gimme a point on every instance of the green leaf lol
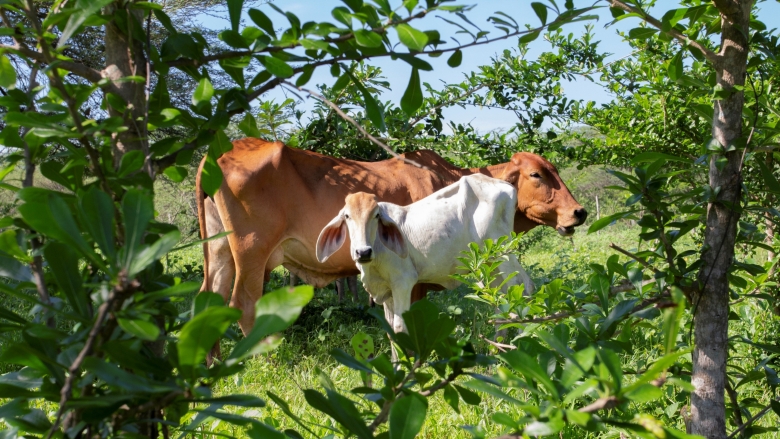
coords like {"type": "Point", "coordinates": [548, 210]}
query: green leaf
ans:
{"type": "Point", "coordinates": [541, 11]}
{"type": "Point", "coordinates": [248, 126]}
{"type": "Point", "coordinates": [55, 219]}
{"type": "Point", "coordinates": [611, 360]}
{"type": "Point", "coordinates": [644, 393]}
{"type": "Point", "coordinates": [616, 314]}
{"type": "Point", "coordinates": [367, 38]}
{"type": "Point", "coordinates": [140, 328]}
{"type": "Point", "coordinates": [407, 416]}
{"type": "Point", "coordinates": [177, 174]}
{"type": "Point", "coordinates": [349, 361]}
{"type": "Point", "coordinates": [276, 67]}
{"type": "Point", "coordinates": [84, 9]}
{"type": "Point", "coordinates": [64, 263]}
{"type": "Point", "coordinates": [7, 73]}
{"type": "Point", "coordinates": [234, 11]}
{"type": "Point", "coordinates": [607, 220]}
{"type": "Point", "coordinates": [137, 210]}
{"type": "Point", "coordinates": [450, 395]}
{"type": "Point", "coordinates": [131, 161]}
{"type": "Point", "coordinates": [412, 98]}
{"type": "Point", "coordinates": [455, 59]}
{"type": "Point", "coordinates": [411, 37]}
{"type": "Point", "coordinates": [527, 38]}
{"type": "Point", "coordinates": [203, 92]}
{"type": "Point", "coordinates": [199, 335]}
{"type": "Point", "coordinates": [205, 300]}
{"type": "Point", "coordinates": [374, 111]}
{"type": "Point", "coordinates": [308, 69]}
{"type": "Point", "coordinates": [220, 144]}
{"type": "Point", "coordinates": [234, 400]}
{"type": "Point", "coordinates": [234, 39]}
{"type": "Point", "coordinates": [657, 368]}
{"type": "Point", "coordinates": [529, 367]}
{"type": "Point", "coordinates": [651, 156]}
{"type": "Point", "coordinates": [363, 345]}
{"type": "Point", "coordinates": [675, 70]}
{"type": "Point", "coordinates": [211, 176]}
{"type": "Point", "coordinates": [769, 179]}
{"type": "Point", "coordinates": [642, 33]}
{"type": "Point", "coordinates": [153, 252]}
{"type": "Point", "coordinates": [274, 312]}
{"type": "Point", "coordinates": [262, 21]}
{"type": "Point", "coordinates": [97, 213]}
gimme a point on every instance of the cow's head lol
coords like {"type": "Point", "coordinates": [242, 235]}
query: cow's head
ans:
{"type": "Point", "coordinates": [365, 220]}
{"type": "Point", "coordinates": [542, 198]}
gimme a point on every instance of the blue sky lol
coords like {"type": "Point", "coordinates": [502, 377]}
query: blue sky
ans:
{"type": "Point", "coordinates": [397, 72]}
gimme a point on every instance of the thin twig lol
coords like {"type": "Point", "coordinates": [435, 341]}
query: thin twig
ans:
{"type": "Point", "coordinates": [443, 104]}
{"type": "Point", "coordinates": [352, 121]}
{"type": "Point", "coordinates": [750, 421]}
{"type": "Point", "coordinates": [500, 346]}
{"type": "Point", "coordinates": [735, 403]}
{"type": "Point", "coordinates": [103, 310]}
{"type": "Point", "coordinates": [709, 54]}
{"type": "Point", "coordinates": [634, 257]}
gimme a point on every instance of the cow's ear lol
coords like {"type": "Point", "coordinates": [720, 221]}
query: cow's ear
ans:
{"type": "Point", "coordinates": [391, 235]}
{"type": "Point", "coordinates": [331, 238]}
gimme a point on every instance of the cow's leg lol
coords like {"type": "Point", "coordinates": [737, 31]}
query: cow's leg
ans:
{"type": "Point", "coordinates": [390, 317]}
{"type": "Point", "coordinates": [419, 291]}
{"type": "Point", "coordinates": [221, 267]}
{"type": "Point", "coordinates": [293, 279]}
{"type": "Point", "coordinates": [340, 289]}
{"type": "Point", "coordinates": [352, 283]}
{"type": "Point", "coordinates": [251, 268]}
{"type": "Point", "coordinates": [218, 274]}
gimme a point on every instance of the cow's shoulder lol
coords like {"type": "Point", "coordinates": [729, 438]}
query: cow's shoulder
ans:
{"type": "Point", "coordinates": [481, 188]}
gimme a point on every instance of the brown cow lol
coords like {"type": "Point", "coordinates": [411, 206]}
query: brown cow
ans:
{"type": "Point", "coordinates": [277, 199]}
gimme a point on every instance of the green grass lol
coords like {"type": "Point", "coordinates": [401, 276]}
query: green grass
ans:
{"type": "Point", "coordinates": [327, 324]}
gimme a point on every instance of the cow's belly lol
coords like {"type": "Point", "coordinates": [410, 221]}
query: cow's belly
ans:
{"type": "Point", "coordinates": [299, 260]}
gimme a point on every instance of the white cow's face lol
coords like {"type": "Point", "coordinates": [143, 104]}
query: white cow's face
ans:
{"type": "Point", "coordinates": [364, 219]}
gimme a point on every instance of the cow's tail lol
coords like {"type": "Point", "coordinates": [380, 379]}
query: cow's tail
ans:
{"type": "Point", "coordinates": [200, 199]}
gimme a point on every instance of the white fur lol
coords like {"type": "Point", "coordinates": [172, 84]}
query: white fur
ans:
{"type": "Point", "coordinates": [436, 230]}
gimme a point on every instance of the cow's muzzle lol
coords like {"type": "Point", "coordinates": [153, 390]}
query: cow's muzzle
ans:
{"type": "Point", "coordinates": [363, 255]}
{"type": "Point", "coordinates": [580, 215]}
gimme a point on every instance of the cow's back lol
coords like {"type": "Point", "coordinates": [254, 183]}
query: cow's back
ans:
{"type": "Point", "coordinates": [440, 226]}
{"type": "Point", "coordinates": [271, 190]}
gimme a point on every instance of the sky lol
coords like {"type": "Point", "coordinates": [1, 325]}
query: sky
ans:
{"type": "Point", "coordinates": [484, 120]}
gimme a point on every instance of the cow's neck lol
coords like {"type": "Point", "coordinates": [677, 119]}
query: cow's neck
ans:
{"type": "Point", "coordinates": [495, 171]}
{"type": "Point", "coordinates": [522, 223]}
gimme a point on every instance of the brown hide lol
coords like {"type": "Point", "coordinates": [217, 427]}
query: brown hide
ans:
{"type": "Point", "coordinates": [277, 199]}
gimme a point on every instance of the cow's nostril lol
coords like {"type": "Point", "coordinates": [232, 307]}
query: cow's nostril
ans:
{"type": "Point", "coordinates": [581, 214]}
{"type": "Point", "coordinates": [363, 253]}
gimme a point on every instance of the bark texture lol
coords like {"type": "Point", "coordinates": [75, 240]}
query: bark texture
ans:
{"type": "Point", "coordinates": [125, 57]}
{"type": "Point", "coordinates": [708, 408]}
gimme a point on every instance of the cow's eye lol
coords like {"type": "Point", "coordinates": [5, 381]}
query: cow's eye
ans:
{"type": "Point", "coordinates": [535, 175]}
{"type": "Point", "coordinates": [346, 216]}
{"type": "Point", "coordinates": [377, 215]}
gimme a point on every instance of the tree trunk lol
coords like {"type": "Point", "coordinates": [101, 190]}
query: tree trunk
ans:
{"type": "Point", "coordinates": [125, 57]}
{"type": "Point", "coordinates": [711, 306]}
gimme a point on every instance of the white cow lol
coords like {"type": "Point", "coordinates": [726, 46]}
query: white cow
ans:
{"type": "Point", "coordinates": [396, 247]}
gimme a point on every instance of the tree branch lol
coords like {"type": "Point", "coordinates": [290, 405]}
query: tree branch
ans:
{"type": "Point", "coordinates": [352, 121]}
{"type": "Point", "coordinates": [124, 286]}
{"type": "Point", "coordinates": [634, 257]}
{"type": "Point", "coordinates": [709, 54]}
{"type": "Point", "coordinates": [750, 421]}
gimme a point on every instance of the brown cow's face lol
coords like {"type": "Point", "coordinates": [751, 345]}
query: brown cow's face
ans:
{"type": "Point", "coordinates": [542, 197]}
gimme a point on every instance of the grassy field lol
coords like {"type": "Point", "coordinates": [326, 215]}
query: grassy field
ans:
{"type": "Point", "coordinates": [327, 324]}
